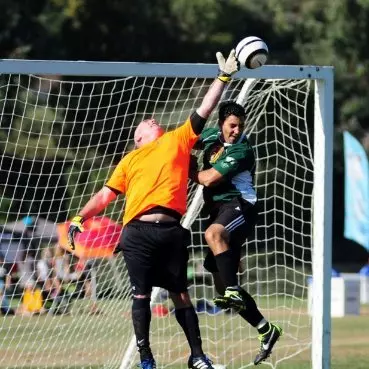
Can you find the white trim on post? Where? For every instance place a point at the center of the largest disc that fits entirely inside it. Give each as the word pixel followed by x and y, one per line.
pixel 115 69
pixel 322 223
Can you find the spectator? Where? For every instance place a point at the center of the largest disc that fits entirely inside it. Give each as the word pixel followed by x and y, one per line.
pixel 27 266
pixel 32 301
pixel 48 281
pixel 5 280
pixel 61 264
pixel 86 282
pixel 30 243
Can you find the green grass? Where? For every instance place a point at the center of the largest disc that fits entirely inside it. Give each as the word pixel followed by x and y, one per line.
pixel 40 342
pixel 350 342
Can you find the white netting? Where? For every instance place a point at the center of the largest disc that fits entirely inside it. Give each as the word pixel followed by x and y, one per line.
pixel 59 140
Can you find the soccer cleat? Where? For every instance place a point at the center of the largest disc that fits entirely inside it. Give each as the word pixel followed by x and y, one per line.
pixel 267 342
pixel 232 299
pixel 199 362
pixel 147 364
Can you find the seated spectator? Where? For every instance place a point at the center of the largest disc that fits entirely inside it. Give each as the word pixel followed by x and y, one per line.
pixel 62 264
pixel 30 242
pixel 27 266
pixel 32 301
pixel 27 270
pixel 48 282
pixel 86 282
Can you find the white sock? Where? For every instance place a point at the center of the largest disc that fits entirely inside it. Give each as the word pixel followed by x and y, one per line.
pixel 261 324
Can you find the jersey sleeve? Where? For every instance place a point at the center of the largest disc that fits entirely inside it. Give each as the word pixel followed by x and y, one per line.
pixel 186 134
pixel 117 181
pixel 206 134
pixel 238 159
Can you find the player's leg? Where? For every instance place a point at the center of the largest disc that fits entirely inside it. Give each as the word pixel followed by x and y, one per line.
pixel 269 333
pixel 139 258
pixel 251 313
pixel 174 260
pixel 229 217
pixel 187 318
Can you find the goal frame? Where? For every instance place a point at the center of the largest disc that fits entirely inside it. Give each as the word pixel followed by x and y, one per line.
pixel 323 77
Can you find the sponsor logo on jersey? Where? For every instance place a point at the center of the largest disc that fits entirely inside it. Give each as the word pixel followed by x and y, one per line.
pixel 215 154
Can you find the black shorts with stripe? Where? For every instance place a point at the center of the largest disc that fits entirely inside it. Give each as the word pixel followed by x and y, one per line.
pixel 156 255
pixel 239 218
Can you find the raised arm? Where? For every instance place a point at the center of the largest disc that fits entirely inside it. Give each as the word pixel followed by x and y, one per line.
pixel 226 69
pixel 97 203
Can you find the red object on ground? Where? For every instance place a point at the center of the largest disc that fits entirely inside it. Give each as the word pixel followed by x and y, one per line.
pixel 160 310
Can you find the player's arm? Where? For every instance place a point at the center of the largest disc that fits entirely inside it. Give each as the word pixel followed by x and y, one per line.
pixel 226 69
pixel 239 159
pixel 94 206
pixel 209 177
pixel 98 202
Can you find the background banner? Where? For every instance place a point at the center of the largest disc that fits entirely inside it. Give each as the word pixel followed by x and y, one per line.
pixel 356 191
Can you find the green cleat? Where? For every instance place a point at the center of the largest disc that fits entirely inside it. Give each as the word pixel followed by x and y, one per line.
pixel 267 342
pixel 232 299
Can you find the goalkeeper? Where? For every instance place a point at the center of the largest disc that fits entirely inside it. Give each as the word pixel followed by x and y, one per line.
pixel 154 180
pixel 230 200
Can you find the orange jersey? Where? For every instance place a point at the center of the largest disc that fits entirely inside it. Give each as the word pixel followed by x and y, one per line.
pixel 156 174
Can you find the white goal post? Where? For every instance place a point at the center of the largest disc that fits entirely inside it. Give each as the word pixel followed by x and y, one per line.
pixel 65 124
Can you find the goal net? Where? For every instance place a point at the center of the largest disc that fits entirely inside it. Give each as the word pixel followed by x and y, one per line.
pixel 62 132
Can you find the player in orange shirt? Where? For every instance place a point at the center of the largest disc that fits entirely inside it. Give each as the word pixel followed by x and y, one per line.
pixel 154 180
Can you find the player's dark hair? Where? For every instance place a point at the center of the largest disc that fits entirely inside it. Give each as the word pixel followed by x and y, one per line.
pixel 227 108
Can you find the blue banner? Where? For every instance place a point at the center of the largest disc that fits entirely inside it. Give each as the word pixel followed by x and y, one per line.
pixel 356 191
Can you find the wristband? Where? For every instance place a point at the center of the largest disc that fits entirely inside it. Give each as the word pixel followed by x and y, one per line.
pixel 225 79
pixel 78 219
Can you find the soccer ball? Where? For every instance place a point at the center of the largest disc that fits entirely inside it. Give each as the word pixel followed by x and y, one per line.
pixel 252 52
pixel 219 366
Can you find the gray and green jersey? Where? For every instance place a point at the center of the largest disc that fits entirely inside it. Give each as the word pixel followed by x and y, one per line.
pixel 235 162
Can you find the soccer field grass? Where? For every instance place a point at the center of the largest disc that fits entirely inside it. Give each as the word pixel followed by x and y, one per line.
pixel 350 342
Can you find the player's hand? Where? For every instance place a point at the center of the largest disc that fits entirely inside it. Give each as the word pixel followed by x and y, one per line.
pixel 75 226
pixel 227 67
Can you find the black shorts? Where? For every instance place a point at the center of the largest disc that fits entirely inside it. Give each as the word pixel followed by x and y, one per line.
pixel 156 255
pixel 239 218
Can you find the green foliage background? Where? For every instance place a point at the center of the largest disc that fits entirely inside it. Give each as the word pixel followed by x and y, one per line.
pixel 334 32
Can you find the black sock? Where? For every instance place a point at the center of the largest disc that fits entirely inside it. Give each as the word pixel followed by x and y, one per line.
pixel 226 268
pixel 188 320
pixel 251 314
pixel 141 317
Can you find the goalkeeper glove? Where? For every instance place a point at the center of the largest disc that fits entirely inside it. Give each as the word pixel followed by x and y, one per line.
pixel 75 226
pixel 227 67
